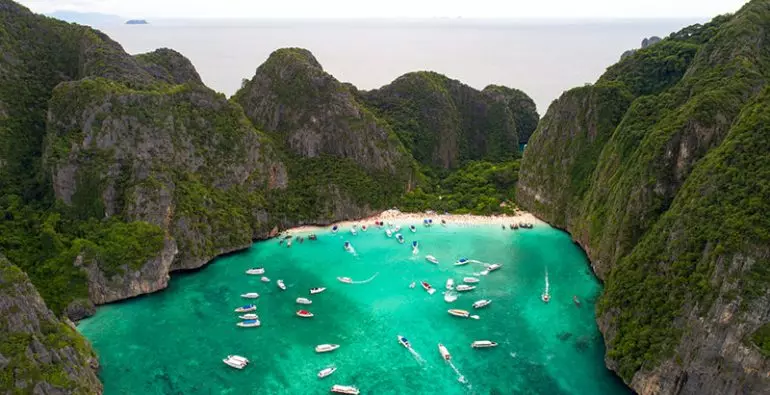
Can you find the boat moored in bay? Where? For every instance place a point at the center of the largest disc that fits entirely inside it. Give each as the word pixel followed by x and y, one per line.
pixel 326 347
pixel 246 308
pixel 249 323
pixel 481 303
pixel 345 389
pixel 431 259
pixel 256 271
pixel 318 290
pixel 483 344
pixel 326 372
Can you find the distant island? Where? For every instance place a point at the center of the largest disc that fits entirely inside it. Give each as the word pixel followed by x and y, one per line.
pixel 136 22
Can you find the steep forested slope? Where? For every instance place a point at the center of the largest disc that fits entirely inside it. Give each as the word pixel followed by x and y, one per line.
pixel 444 122
pixel 662 176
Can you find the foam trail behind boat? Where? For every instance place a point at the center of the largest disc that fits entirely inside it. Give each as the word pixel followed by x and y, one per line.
pixel 367 280
pixel 417 356
pixel 460 376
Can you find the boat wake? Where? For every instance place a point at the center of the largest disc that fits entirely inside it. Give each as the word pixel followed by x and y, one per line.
pixel 365 281
pixel 416 355
pixel 460 376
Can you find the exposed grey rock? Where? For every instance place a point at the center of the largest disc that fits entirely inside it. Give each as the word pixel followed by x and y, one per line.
pixel 50 346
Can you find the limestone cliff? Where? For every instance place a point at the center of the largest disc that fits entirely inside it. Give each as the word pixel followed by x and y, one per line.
pixel 293 97
pixel 444 122
pixel 660 172
pixel 38 353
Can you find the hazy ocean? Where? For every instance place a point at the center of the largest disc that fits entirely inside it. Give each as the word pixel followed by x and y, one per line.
pixel 173 342
pixel 543 58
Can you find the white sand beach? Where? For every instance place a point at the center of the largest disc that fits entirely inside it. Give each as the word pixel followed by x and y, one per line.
pixel 405 219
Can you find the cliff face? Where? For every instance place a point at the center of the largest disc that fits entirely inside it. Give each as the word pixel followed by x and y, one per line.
pixel 444 122
pixel 38 353
pixel 662 176
pixel 293 97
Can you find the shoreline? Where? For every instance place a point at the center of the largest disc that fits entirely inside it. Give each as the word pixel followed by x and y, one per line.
pixel 401 218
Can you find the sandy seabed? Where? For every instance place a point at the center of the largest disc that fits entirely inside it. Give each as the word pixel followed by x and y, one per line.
pixel 405 219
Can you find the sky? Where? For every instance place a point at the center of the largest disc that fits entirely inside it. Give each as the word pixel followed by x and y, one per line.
pixel 524 9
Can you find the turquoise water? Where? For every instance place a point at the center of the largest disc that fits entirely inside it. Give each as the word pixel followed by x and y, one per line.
pixel 172 342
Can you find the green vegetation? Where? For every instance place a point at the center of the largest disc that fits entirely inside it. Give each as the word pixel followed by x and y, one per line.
pixel 669 196
pixel 761 338
pixel 21 373
pixel 444 123
pixel 480 187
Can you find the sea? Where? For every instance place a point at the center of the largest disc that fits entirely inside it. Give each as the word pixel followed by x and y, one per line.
pixel 541 57
pixel 173 341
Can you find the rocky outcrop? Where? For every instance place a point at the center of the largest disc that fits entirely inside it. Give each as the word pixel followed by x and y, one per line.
pixel 444 122
pixel 169 66
pixel 646 42
pixel 38 353
pixel 662 186
pixel 292 96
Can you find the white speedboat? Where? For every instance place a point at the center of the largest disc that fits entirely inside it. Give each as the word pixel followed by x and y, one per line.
pixel 304 314
pixel 412 285
pixel 427 287
pixel 481 303
pixel 304 301
pixel 246 308
pixel 388 233
pixel 470 280
pixel 402 340
pixel 249 323
pixel 335 229
pixel 345 389
pixel 249 317
pixel 444 352
pixel 462 261
pixel 415 247
pixel 265 279
pixel 364 228
pixel 431 259
pixel 450 284
pixel 450 296
pixel 281 285
pixel 464 288
pixel 491 268
pixel 483 344
pixel 326 347
pixel 318 290
pixel 256 271
pixel 236 361
pixel 326 372
pixel 412 228
pixel 397 228
pixel 400 238
pixel 353 231
pixel 346 280
pixel 348 247
pixel 250 295
pixel 546 295
pixel 462 313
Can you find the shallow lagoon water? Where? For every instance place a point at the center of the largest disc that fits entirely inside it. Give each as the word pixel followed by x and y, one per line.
pixel 172 342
